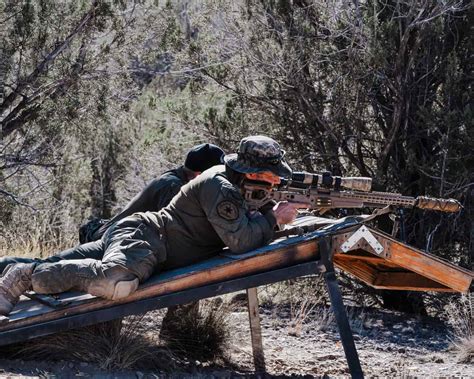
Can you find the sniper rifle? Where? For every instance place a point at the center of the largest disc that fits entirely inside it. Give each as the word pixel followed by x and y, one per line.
pixel 322 192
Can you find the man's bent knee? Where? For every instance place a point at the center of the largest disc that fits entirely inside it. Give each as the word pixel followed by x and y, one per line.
pixel 116 283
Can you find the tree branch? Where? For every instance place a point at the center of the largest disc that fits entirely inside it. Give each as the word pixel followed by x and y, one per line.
pixel 15 199
pixel 41 68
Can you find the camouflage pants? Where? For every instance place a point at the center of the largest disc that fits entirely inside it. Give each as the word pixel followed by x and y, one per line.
pixel 130 249
pixel 91 250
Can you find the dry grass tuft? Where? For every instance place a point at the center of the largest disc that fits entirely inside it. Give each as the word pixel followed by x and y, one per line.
pixel 294 291
pixel 357 320
pixel 461 318
pixel 33 243
pixel 200 333
pixel 465 347
pixel 110 346
pixel 299 312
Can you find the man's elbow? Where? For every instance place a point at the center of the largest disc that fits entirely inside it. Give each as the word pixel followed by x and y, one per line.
pixel 239 249
pixel 237 246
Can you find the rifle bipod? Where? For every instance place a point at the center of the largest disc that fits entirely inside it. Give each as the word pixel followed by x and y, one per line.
pixel 340 313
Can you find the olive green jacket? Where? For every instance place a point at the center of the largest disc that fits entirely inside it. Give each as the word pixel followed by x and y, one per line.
pixel 208 214
pixel 155 196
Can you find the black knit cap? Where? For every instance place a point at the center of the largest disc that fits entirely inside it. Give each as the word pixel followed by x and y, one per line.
pixel 204 156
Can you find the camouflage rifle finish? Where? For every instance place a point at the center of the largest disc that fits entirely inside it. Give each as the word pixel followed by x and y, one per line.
pixel 258 194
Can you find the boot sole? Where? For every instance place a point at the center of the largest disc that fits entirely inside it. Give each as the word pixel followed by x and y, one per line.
pixel 124 289
pixel 6 308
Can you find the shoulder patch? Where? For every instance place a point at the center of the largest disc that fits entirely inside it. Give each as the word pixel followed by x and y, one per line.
pixel 228 210
pixel 232 194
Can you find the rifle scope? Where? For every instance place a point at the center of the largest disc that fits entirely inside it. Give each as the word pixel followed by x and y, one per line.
pixel 325 179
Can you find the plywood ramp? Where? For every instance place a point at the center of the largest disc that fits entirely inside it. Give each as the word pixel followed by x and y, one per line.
pixel 278 255
pixel 391 265
pixel 398 266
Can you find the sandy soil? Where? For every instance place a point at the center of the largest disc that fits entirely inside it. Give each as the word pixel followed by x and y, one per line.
pixel 389 345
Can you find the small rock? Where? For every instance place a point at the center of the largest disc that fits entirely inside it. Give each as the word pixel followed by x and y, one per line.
pixel 328 357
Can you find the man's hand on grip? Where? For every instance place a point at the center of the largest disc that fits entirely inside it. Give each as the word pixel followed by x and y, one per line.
pixel 285 212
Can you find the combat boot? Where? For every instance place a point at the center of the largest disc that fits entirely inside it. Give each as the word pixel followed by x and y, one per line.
pixel 15 281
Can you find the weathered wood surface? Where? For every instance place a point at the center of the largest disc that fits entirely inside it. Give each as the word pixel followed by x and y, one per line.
pixel 113 312
pixel 282 254
pixel 255 330
pixel 400 267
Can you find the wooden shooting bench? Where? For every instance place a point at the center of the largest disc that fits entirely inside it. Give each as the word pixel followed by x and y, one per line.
pixel 368 254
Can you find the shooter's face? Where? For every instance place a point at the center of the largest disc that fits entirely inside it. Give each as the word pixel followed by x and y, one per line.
pixel 265 177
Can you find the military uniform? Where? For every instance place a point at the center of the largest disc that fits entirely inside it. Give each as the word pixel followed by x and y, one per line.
pixel 209 214
pixel 156 195
pixel 206 215
pixel 159 192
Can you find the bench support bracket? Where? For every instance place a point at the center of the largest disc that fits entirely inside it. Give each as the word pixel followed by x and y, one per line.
pixel 337 304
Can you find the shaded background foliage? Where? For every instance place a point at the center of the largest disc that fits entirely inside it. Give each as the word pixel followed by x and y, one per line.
pixel 97 97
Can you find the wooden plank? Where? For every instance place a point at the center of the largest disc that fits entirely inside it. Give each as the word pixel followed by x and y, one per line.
pixel 414 260
pixel 408 281
pixel 280 254
pixel 228 268
pixel 67 322
pixel 419 262
pixel 363 258
pixel 392 280
pixel 255 330
pixel 45 299
pixel 360 270
pixel 28 308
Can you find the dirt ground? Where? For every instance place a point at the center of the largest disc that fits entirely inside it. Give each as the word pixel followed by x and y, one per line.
pixel 389 344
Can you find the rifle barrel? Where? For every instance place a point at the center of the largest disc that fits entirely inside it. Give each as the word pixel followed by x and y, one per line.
pixel 257 195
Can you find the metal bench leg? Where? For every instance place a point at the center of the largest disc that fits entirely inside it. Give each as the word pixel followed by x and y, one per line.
pixel 335 296
pixel 255 330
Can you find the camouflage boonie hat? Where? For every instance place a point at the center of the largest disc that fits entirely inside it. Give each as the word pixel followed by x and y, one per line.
pixel 259 154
